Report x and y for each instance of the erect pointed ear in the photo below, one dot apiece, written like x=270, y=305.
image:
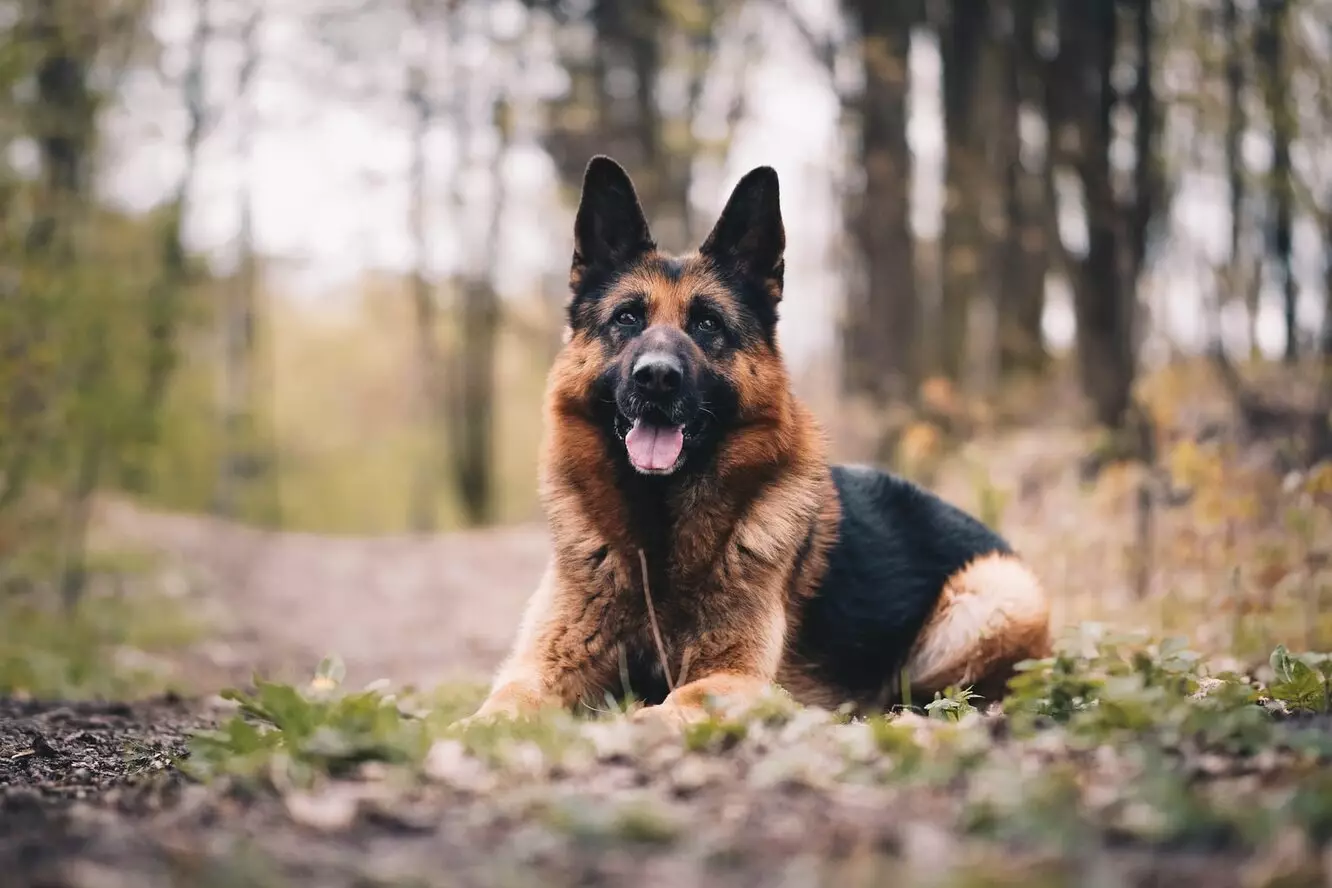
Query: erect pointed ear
x=749, y=235
x=610, y=227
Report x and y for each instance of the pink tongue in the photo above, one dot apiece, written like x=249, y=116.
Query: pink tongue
x=653, y=447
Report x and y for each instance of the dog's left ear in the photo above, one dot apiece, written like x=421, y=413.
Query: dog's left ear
x=749, y=235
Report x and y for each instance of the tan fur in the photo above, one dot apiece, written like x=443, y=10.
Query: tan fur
x=992, y=614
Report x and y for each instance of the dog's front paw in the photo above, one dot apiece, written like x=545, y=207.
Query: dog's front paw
x=489, y=714
x=670, y=715
x=472, y=720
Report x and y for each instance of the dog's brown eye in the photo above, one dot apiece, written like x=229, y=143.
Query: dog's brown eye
x=708, y=324
x=627, y=318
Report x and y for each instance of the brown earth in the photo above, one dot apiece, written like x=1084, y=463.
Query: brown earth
x=77, y=812
x=414, y=610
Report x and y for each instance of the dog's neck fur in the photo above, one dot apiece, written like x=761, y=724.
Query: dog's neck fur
x=593, y=500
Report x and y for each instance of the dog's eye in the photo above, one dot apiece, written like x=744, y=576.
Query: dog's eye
x=628, y=318
x=707, y=324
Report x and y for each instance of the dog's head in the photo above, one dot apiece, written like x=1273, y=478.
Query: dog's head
x=674, y=353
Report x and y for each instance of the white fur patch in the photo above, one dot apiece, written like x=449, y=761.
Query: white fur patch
x=984, y=612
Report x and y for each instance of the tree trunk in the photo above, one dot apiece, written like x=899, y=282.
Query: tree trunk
x=1235, y=273
x=165, y=296
x=880, y=342
x=1105, y=281
x=1271, y=50
x=432, y=407
x=474, y=439
x=63, y=121
x=1025, y=254
x=963, y=39
x=240, y=463
x=1327, y=295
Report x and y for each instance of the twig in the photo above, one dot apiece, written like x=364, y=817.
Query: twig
x=685, y=659
x=652, y=621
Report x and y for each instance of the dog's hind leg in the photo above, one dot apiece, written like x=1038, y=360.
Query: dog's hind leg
x=991, y=615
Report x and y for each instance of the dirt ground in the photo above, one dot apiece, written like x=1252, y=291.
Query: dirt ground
x=419, y=611
x=79, y=811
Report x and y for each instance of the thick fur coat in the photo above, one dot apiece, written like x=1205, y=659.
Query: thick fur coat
x=703, y=548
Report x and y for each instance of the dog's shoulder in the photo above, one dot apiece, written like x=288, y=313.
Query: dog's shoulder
x=891, y=514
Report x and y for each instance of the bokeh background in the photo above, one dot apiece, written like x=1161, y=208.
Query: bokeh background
x=293, y=271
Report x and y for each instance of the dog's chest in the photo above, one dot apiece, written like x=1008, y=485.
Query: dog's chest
x=637, y=624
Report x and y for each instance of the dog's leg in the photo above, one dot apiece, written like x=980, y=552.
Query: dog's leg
x=537, y=673
x=991, y=615
x=734, y=667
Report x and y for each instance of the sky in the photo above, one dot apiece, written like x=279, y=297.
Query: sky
x=328, y=169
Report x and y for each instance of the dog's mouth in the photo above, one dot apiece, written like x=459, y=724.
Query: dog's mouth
x=654, y=443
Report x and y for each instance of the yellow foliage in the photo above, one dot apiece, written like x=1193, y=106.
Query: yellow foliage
x=921, y=442
x=938, y=394
x=1318, y=482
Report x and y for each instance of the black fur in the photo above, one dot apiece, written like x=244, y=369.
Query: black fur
x=897, y=546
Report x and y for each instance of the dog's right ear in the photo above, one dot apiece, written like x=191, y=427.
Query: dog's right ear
x=610, y=227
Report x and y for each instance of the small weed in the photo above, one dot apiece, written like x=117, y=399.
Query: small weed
x=715, y=734
x=898, y=742
x=951, y=704
x=45, y=652
x=312, y=731
x=645, y=824
x=1302, y=683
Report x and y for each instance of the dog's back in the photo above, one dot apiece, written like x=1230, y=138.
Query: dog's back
x=912, y=582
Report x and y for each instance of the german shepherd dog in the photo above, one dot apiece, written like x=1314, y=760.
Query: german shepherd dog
x=703, y=547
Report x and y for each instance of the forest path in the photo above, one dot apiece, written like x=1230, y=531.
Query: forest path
x=419, y=610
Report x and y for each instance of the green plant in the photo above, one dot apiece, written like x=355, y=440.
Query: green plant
x=951, y=704
x=1302, y=683
x=309, y=732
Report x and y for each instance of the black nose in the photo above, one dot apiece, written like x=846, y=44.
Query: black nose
x=658, y=374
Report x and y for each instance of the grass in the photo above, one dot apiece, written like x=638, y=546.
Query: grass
x=1114, y=741
x=105, y=647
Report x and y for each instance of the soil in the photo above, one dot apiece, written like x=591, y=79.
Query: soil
x=76, y=812
x=89, y=799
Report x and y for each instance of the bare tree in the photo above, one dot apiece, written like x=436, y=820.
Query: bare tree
x=1271, y=50
x=966, y=48
x=478, y=337
x=63, y=119
x=240, y=461
x=1024, y=252
x=1234, y=160
x=1081, y=102
x=433, y=408
x=473, y=363
x=163, y=303
x=880, y=342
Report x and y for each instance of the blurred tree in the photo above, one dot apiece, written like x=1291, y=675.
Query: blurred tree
x=881, y=337
x=1240, y=289
x=1082, y=102
x=73, y=272
x=619, y=55
x=63, y=122
x=242, y=466
x=1024, y=254
x=968, y=53
x=1270, y=48
x=165, y=298
x=432, y=404
x=473, y=365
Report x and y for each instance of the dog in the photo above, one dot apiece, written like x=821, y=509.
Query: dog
x=704, y=549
